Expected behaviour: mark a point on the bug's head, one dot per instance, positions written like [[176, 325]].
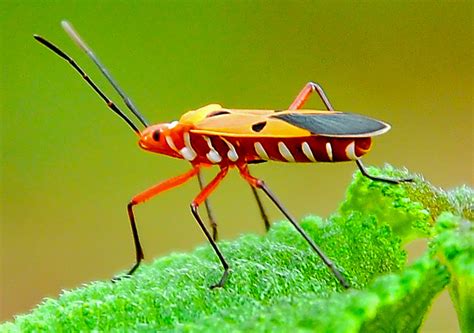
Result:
[[153, 138]]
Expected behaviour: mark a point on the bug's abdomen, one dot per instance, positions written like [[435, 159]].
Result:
[[304, 149], [232, 150]]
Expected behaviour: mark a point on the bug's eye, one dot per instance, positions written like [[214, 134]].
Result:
[[156, 135]]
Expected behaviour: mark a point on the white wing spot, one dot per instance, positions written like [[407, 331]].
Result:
[[260, 151], [307, 151], [285, 152], [213, 155], [232, 153], [350, 151], [188, 152], [329, 150]]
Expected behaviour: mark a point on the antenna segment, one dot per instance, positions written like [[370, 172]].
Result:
[[80, 42]]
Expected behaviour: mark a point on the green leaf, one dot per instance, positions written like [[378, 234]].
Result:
[[454, 244], [278, 284]]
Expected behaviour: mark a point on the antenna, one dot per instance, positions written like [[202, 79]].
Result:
[[80, 42], [91, 83]]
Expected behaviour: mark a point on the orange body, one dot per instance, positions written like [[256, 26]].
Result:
[[216, 136]]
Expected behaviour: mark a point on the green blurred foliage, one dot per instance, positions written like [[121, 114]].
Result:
[[69, 166]]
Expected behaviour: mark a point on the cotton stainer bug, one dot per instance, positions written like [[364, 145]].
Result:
[[229, 138]]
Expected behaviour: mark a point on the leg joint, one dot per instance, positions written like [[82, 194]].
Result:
[[314, 85], [259, 183], [131, 204]]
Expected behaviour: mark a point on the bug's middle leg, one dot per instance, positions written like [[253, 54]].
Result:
[[210, 214], [200, 198], [212, 218], [298, 103]]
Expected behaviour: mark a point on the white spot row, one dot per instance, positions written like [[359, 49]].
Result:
[[214, 157], [307, 151]]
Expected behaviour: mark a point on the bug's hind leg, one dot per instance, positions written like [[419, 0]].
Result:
[[260, 184], [298, 103], [363, 170], [304, 94], [301, 99]]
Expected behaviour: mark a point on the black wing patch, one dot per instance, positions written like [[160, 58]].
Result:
[[335, 123], [257, 127]]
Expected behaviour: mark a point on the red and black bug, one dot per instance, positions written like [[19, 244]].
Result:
[[229, 138]]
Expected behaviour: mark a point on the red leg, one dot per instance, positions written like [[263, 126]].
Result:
[[258, 183], [210, 214], [206, 191], [306, 92], [147, 194], [200, 198]]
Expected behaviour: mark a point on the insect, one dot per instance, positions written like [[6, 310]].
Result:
[[230, 138]]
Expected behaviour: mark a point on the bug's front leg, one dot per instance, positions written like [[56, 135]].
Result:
[[304, 94], [200, 198], [147, 194], [260, 184]]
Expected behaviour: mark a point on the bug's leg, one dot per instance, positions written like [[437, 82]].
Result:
[[263, 214], [363, 170], [303, 97], [306, 92], [202, 196], [210, 215], [258, 183], [145, 195]]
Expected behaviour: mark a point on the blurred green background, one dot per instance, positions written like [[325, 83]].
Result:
[[69, 166]]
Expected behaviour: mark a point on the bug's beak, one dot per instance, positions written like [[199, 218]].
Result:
[[142, 144]]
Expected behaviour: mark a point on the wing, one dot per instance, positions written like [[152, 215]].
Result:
[[335, 124], [216, 120]]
